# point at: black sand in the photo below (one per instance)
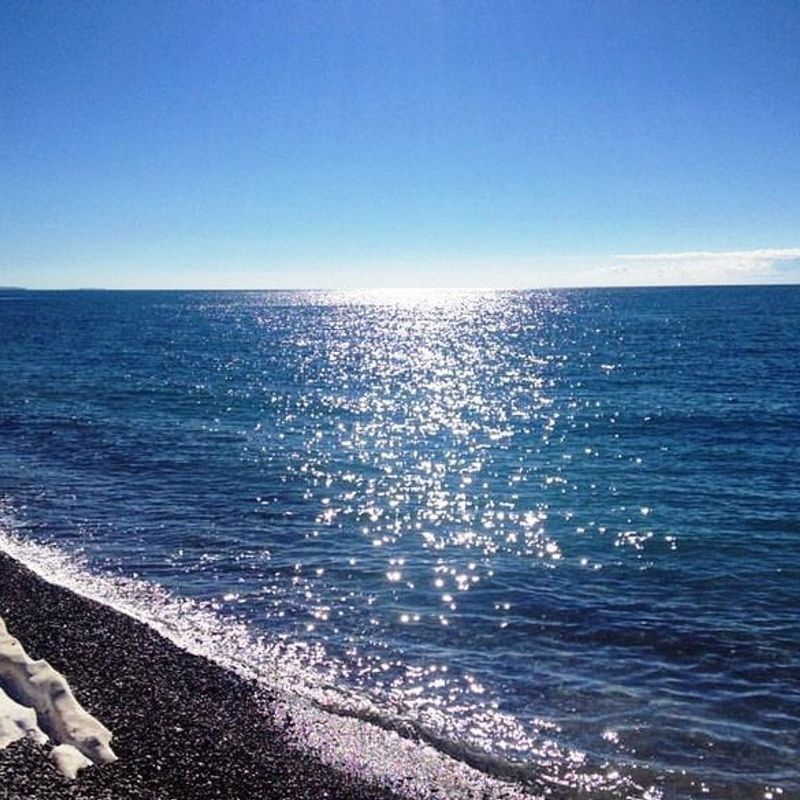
(184, 728)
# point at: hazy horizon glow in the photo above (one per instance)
(699, 268)
(297, 145)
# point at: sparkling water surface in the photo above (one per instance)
(560, 528)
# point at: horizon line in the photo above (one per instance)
(552, 287)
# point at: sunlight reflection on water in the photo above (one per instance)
(532, 523)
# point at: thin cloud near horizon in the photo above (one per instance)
(692, 267)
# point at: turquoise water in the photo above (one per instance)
(561, 528)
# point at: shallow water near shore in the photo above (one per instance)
(553, 534)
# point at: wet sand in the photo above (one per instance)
(184, 728)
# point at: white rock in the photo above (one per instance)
(37, 701)
(17, 722)
(69, 760)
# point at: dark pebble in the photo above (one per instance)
(184, 728)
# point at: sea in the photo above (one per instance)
(552, 536)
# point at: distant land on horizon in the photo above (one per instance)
(433, 289)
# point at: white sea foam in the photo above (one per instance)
(345, 739)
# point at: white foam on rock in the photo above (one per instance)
(36, 701)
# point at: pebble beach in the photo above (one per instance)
(183, 727)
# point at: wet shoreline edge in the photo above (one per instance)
(184, 727)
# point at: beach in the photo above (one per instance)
(182, 726)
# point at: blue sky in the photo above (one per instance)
(270, 144)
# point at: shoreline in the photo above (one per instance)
(183, 727)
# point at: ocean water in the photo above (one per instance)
(555, 535)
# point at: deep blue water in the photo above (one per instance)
(562, 527)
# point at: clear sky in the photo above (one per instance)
(337, 144)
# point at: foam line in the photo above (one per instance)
(329, 722)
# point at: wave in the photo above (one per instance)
(345, 729)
